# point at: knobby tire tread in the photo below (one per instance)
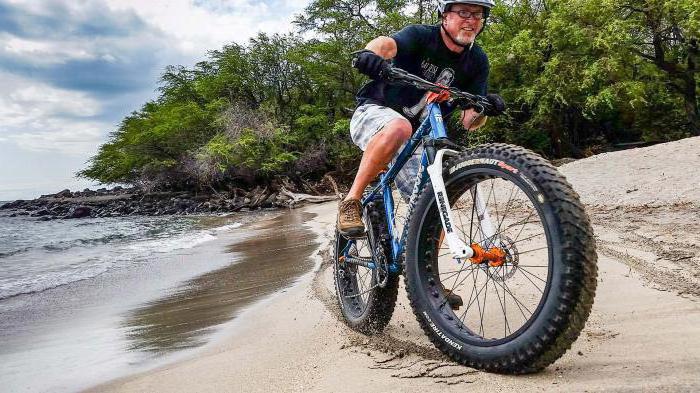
(577, 288)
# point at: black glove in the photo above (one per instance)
(498, 106)
(370, 64)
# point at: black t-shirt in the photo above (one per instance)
(422, 52)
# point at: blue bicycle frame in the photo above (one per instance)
(432, 128)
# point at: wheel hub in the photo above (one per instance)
(494, 256)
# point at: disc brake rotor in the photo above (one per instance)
(510, 265)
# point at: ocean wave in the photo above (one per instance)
(127, 253)
(168, 244)
(10, 253)
(190, 240)
(88, 269)
(68, 244)
(228, 227)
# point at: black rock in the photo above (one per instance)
(79, 212)
(15, 204)
(64, 194)
(41, 213)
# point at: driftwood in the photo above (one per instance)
(334, 185)
(258, 199)
(309, 188)
(297, 197)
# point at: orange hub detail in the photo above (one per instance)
(494, 256)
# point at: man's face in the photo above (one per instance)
(463, 30)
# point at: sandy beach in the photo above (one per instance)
(643, 333)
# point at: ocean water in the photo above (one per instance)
(39, 255)
(88, 300)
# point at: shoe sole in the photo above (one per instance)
(353, 234)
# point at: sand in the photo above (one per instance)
(643, 333)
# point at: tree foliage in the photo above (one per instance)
(579, 76)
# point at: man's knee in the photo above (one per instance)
(398, 131)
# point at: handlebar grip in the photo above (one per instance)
(497, 105)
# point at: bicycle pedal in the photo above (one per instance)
(455, 301)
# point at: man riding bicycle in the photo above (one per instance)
(386, 114)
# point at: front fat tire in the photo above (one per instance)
(569, 297)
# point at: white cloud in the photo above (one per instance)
(197, 27)
(24, 100)
(50, 108)
(74, 138)
(45, 52)
(38, 117)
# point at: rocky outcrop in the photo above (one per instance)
(130, 201)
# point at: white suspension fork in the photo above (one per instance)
(459, 249)
(487, 229)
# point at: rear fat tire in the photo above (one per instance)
(568, 298)
(380, 303)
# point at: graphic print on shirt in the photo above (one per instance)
(446, 77)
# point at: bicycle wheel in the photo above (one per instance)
(366, 296)
(519, 311)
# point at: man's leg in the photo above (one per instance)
(380, 150)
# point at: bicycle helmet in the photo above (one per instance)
(443, 6)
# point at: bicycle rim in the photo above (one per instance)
(499, 302)
(354, 283)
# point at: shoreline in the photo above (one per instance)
(244, 324)
(139, 319)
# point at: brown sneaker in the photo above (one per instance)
(350, 222)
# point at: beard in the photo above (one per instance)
(465, 37)
(462, 36)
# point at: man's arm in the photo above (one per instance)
(383, 46)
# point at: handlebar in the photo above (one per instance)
(396, 75)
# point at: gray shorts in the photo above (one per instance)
(366, 122)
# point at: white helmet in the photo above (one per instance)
(443, 5)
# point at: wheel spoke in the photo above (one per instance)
(482, 310)
(533, 275)
(523, 227)
(476, 298)
(517, 302)
(533, 250)
(510, 198)
(528, 238)
(523, 222)
(456, 285)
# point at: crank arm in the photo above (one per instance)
(359, 261)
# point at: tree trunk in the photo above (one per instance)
(691, 106)
(690, 97)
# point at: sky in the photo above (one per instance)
(70, 70)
